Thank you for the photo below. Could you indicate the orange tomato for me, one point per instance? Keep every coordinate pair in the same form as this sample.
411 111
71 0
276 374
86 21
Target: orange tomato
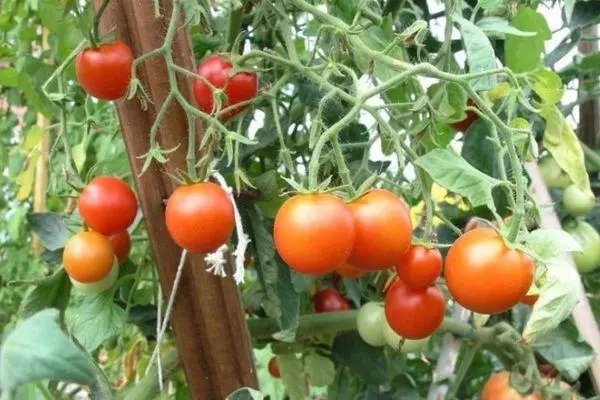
88 257
498 387
485 275
383 230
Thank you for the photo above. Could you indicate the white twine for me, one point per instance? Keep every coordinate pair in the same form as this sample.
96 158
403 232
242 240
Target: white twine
216 260
165 321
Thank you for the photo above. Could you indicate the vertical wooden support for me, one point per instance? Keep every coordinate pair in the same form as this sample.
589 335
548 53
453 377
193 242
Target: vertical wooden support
582 314
208 319
589 113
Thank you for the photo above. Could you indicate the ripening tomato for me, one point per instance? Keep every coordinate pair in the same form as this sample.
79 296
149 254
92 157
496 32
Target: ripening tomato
548 370
464 125
498 387
400 344
329 300
414 314
274 367
200 217
420 267
369 323
98 286
121 243
383 230
239 87
577 202
107 205
349 271
485 275
105 72
88 257
314 233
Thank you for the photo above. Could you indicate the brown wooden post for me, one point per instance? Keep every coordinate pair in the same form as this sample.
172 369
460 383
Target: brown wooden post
208 319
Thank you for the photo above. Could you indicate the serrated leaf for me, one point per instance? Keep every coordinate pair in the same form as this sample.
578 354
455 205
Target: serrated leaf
50 228
480 53
451 171
292 374
367 361
320 370
567 351
547 244
548 85
288 298
499 27
9 77
524 54
561 141
38 350
52 292
96 320
559 294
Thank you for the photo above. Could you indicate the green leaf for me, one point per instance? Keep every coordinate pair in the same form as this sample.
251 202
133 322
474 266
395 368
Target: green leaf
449 99
50 228
567 351
36 98
489 5
320 370
499 27
548 85
523 54
451 171
52 14
96 320
546 244
245 393
585 13
559 294
341 388
38 350
52 292
480 53
9 77
562 143
292 374
364 360
288 298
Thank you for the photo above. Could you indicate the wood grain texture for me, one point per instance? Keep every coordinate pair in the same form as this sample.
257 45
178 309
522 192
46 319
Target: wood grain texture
208 319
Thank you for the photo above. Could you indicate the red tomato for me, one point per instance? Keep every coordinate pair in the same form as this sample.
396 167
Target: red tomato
329 300
274 367
107 205
383 230
239 87
548 370
348 271
530 299
485 275
414 314
420 267
121 243
464 125
314 233
498 388
88 257
200 217
105 72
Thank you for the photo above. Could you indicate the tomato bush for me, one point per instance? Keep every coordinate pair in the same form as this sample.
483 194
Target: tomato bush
305 151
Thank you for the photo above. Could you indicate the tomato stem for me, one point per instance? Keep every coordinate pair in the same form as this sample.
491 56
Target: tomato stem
95 37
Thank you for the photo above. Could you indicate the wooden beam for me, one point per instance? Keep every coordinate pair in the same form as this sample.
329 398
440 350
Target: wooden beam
208 319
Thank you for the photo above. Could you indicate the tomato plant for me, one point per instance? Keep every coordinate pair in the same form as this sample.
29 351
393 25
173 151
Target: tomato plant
238 87
200 217
414 314
329 300
292 158
503 275
107 205
420 267
105 72
498 387
314 234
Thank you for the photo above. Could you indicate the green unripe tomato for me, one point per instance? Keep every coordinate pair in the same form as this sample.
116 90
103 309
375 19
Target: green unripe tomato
589 258
369 323
101 285
553 175
408 346
577 202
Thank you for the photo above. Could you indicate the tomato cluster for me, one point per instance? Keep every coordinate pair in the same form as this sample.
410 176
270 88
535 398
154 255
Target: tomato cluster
107 206
316 234
330 300
498 387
